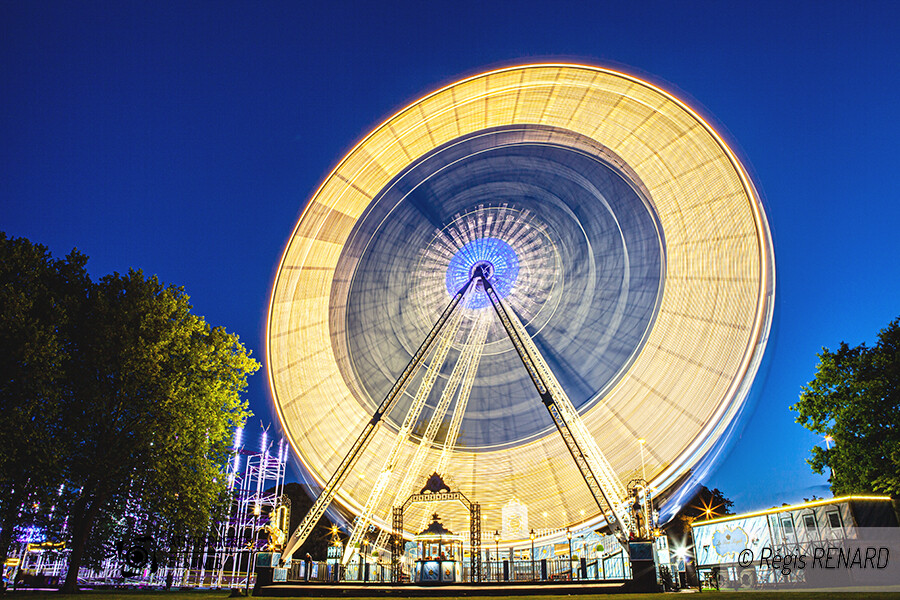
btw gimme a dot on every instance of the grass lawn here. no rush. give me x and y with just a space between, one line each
724 595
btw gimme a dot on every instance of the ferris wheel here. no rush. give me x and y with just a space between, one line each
552 227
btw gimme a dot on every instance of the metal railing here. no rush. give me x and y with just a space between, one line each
610 568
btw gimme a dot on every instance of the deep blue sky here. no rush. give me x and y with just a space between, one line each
183 138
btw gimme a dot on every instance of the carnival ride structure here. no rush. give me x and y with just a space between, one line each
563 235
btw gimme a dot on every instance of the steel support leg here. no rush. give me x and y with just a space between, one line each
565 423
328 492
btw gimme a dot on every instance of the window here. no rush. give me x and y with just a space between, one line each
812 529
787 527
834 519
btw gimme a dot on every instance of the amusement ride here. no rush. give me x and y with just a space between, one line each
537 283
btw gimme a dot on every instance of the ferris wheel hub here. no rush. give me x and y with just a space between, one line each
498 262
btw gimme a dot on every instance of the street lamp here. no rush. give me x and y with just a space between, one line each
497 549
569 537
531 535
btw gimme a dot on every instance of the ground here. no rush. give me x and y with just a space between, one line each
221 595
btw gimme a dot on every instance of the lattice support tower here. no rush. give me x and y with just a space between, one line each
604 486
412 417
252 501
463 376
594 468
475 541
328 492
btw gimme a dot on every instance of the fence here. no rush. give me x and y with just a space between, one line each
613 567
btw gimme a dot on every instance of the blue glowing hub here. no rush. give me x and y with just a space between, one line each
496 257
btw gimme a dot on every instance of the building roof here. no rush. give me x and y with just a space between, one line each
436 529
785 508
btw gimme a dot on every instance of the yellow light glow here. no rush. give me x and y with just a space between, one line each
705 345
779 509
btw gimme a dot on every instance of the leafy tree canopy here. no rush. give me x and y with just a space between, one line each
38 296
117 401
157 399
854 400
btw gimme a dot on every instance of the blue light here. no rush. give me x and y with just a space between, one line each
498 254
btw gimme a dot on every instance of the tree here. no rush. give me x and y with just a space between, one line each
316 544
38 296
855 401
157 397
703 505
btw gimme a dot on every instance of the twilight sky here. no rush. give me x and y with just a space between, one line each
183 138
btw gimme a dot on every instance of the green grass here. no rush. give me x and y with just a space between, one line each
724 595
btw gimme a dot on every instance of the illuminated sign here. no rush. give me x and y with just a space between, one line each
39 547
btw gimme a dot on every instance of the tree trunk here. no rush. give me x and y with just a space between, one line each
83 514
9 522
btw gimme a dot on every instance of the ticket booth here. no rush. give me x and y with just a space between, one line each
440 554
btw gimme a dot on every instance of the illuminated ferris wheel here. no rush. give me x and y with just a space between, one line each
533 239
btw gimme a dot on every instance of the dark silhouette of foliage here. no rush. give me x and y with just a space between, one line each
113 394
38 298
705 504
316 545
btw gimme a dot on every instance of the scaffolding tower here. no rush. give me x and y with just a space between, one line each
256 485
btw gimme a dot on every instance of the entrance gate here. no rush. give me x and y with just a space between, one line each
436 490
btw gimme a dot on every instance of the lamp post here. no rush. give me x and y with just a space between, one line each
497 552
569 538
531 535
249 566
